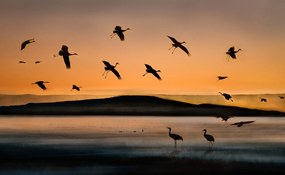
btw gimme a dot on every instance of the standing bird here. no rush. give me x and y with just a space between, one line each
176 44
232 52
239 124
65 54
227 96
175 137
263 99
22 62
37 62
41 84
75 87
221 77
149 69
209 137
23 45
120 32
109 67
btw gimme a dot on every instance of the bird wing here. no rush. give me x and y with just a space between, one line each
41 85
148 66
116 73
121 35
237 123
231 49
156 75
66 61
184 49
247 122
172 39
118 28
23 45
107 63
233 55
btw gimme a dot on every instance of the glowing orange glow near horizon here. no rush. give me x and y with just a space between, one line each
209 29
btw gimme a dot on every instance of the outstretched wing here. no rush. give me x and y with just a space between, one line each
231 49
41 85
172 39
156 75
107 63
233 55
184 49
116 73
121 35
66 61
148 67
247 122
237 123
23 45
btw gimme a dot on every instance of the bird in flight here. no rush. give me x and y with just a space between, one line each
41 84
22 62
222 77
209 137
232 52
239 124
227 96
224 117
75 87
37 62
175 137
149 69
25 43
109 67
176 44
65 54
263 99
281 97
120 32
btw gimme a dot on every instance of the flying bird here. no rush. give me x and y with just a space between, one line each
227 96
232 52
75 87
65 54
109 67
221 77
37 62
224 117
263 99
239 124
120 32
281 97
149 69
25 43
41 84
175 137
176 44
22 62
208 137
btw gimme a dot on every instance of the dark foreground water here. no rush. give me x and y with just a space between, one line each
140 145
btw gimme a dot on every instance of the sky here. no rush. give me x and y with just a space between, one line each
208 27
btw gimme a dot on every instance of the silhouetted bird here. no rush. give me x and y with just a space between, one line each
109 67
41 84
224 117
75 87
239 124
232 53
149 69
281 97
37 62
175 137
25 43
227 96
208 137
120 32
65 54
263 99
221 77
176 44
22 62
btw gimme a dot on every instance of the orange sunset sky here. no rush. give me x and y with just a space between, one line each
208 27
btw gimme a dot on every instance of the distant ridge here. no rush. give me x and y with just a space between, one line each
132 105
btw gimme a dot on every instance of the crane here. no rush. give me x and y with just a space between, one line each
120 32
176 44
65 54
175 137
149 69
109 67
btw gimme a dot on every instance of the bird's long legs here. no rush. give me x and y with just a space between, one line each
105 73
145 74
173 50
112 35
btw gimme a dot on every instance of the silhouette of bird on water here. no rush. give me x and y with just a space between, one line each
41 84
209 137
281 97
120 32
263 99
37 62
221 77
175 137
22 62
65 54
25 43
232 52
75 87
149 69
227 96
176 44
239 124
109 67
224 118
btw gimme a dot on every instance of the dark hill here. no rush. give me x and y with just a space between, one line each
132 105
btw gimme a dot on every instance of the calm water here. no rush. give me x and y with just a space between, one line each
262 141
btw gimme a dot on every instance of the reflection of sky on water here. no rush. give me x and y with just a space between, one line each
263 140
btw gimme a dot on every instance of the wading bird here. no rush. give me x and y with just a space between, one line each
75 87
120 32
41 84
239 124
25 43
37 62
175 137
149 69
263 99
22 62
221 77
109 67
176 44
65 54
209 137
227 96
232 52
